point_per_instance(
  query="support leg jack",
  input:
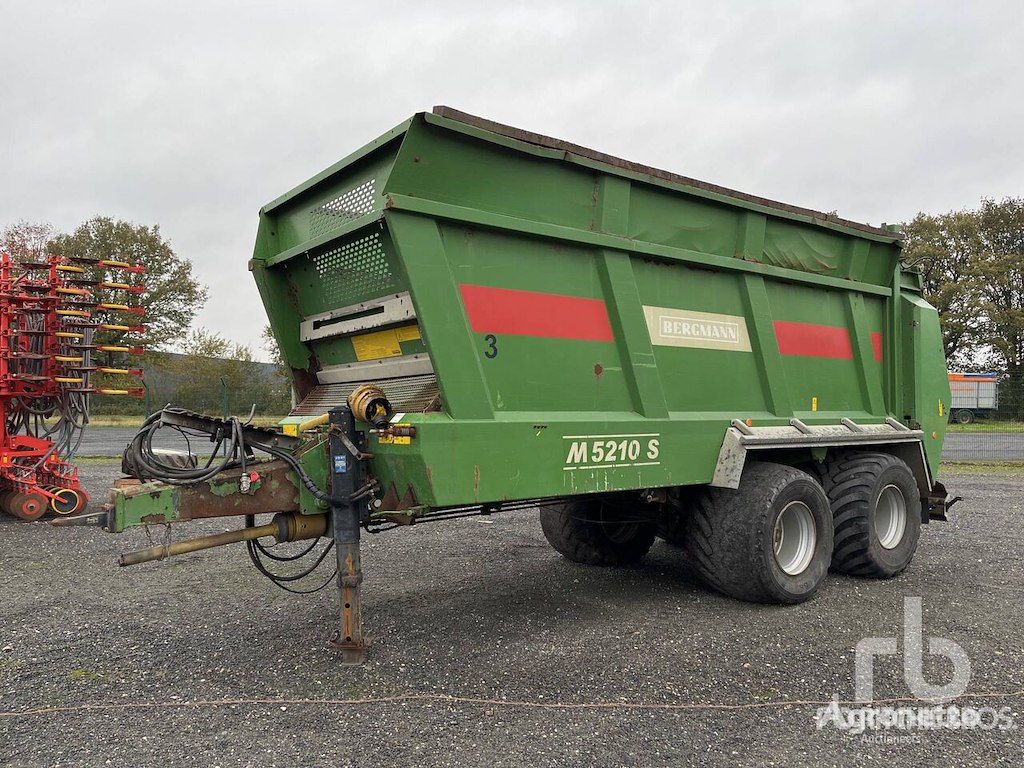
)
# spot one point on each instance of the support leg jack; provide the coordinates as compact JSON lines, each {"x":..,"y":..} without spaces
{"x":347,"y":475}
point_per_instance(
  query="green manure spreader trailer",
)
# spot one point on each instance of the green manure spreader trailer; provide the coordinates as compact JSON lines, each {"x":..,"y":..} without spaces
{"x":481,"y":319}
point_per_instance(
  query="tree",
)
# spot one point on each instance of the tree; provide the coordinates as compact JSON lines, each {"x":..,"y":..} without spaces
{"x":973,"y":266}
{"x":27,"y":241}
{"x":212,"y":368}
{"x":945,"y":248}
{"x":270,"y":344}
{"x":1000,"y":266}
{"x":173,"y":294}
{"x":282,"y":373}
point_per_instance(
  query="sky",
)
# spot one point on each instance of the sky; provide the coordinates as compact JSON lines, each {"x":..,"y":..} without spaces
{"x":192,"y":115}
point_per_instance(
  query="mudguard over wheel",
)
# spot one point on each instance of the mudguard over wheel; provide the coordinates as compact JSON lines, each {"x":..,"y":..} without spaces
{"x":595,"y":532}
{"x":768,"y":541}
{"x":876,"y":507}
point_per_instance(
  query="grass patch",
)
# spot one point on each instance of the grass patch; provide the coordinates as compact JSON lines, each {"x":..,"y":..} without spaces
{"x":982,"y":468}
{"x":92,"y":461}
{"x":987,"y":425}
{"x":87,"y":675}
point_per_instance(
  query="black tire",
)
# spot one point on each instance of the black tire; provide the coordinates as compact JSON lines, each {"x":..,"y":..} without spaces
{"x":673,"y":532}
{"x":731,"y":535}
{"x":595,"y":532}
{"x":964,"y":416}
{"x":866,"y":541}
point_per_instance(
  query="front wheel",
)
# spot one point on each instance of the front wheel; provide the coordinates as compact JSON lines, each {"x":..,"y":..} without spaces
{"x":596,"y":532}
{"x":768,"y":541}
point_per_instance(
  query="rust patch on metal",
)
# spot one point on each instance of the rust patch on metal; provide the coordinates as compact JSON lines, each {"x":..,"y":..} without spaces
{"x":390,"y":499}
{"x":598,"y":370}
{"x":275,"y":494}
{"x":154,"y":519}
{"x":409,"y":498}
{"x":390,"y":502}
{"x":476,"y":479}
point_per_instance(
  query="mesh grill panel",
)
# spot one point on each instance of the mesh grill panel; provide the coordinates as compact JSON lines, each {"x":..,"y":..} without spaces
{"x":342,"y":209}
{"x":354,"y":271}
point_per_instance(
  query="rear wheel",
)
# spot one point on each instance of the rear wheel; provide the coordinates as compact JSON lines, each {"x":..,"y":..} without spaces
{"x":876,"y":507}
{"x":768,"y":541}
{"x":964,"y":416}
{"x":596,"y":532}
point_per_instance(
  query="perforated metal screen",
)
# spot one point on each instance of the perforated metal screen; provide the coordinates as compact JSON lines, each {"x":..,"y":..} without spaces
{"x":357,"y":202}
{"x":354,"y":271}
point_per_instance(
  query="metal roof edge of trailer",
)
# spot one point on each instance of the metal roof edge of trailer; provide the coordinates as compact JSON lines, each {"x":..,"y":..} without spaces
{"x":569,"y":149}
{"x":960,"y":376}
{"x":363,"y":151}
{"x":629,"y":166}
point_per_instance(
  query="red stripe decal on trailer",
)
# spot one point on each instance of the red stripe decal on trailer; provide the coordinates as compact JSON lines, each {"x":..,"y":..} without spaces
{"x":810,"y":340}
{"x":876,"y":342}
{"x":528,"y":313}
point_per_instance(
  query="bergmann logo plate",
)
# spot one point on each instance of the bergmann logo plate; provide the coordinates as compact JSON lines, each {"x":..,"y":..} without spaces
{"x":702,"y":330}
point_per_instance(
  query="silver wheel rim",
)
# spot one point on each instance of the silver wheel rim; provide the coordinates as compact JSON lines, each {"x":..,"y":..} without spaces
{"x":890,"y":517}
{"x":794,"y":538}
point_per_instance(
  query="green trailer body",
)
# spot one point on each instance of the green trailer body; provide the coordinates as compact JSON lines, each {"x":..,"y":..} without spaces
{"x":479,"y":319}
{"x":556,"y":322}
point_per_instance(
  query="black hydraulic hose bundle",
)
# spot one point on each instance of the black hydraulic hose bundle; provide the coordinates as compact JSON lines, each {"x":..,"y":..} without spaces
{"x":145,"y":464}
{"x":143,"y":461}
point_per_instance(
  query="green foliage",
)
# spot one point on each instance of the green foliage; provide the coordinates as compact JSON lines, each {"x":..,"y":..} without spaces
{"x":945,"y":249}
{"x":173,"y":294}
{"x":1000,"y":269}
{"x":973,"y":267}
{"x":282,"y":372}
{"x":212,"y":368}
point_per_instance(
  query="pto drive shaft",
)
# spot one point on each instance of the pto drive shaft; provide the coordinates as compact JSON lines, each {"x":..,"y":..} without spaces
{"x":287,"y":526}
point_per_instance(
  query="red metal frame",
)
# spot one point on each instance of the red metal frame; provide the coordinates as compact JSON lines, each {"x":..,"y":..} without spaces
{"x":46,"y":322}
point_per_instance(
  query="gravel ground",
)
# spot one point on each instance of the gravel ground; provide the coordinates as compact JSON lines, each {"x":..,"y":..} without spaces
{"x":137,"y":663}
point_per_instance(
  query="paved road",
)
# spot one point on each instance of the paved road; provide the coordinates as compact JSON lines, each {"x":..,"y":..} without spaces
{"x":979,"y":446}
{"x":960,"y":446}
{"x":197,"y":660}
{"x":110,"y":441}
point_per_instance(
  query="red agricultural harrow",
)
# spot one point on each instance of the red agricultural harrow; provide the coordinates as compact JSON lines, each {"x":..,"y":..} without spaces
{"x":50,"y":314}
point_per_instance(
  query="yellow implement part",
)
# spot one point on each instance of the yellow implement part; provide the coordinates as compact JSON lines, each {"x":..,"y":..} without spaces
{"x":70,"y":268}
{"x":315,"y":422}
{"x":69,"y":335}
{"x":67,"y":380}
{"x":73,"y":312}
